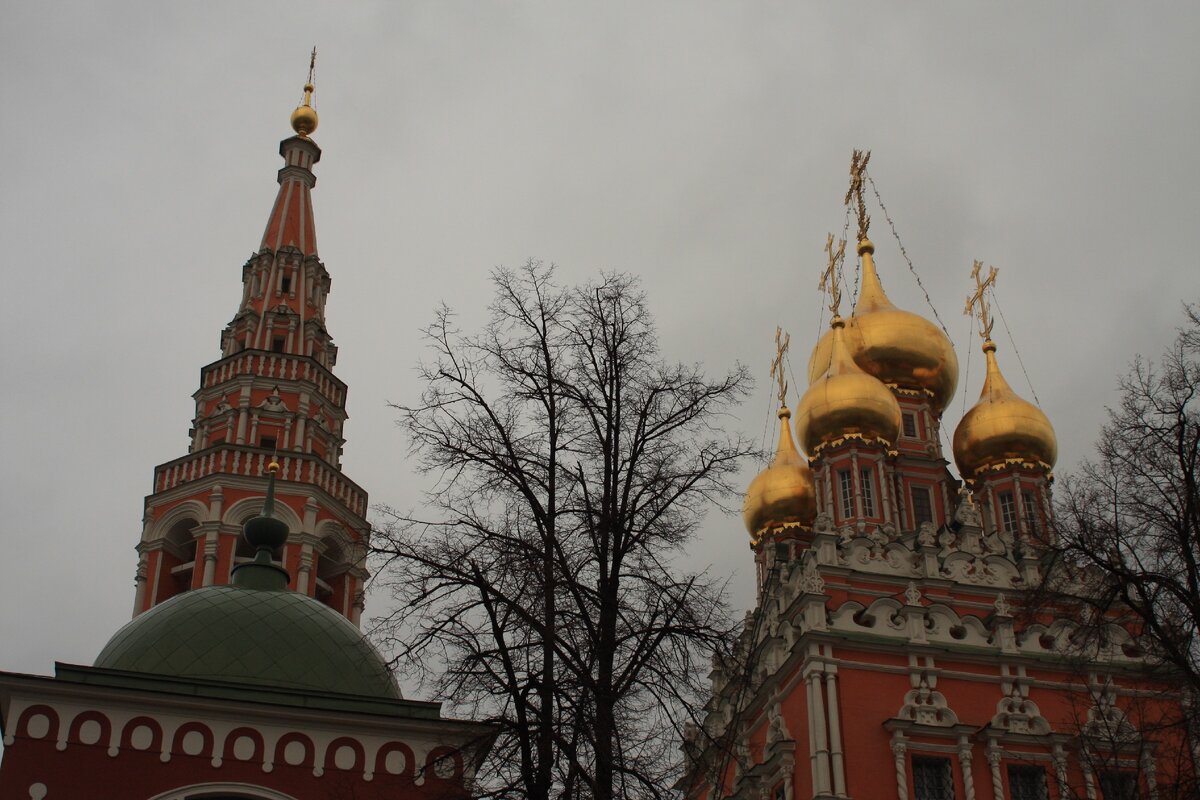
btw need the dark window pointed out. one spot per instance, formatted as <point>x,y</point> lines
<point>932,779</point>
<point>1026,782</point>
<point>277,344</point>
<point>910,425</point>
<point>847,490</point>
<point>269,442</point>
<point>780,793</point>
<point>922,508</point>
<point>868,493</point>
<point>1030,510</point>
<point>285,285</point>
<point>1008,513</point>
<point>1118,786</point>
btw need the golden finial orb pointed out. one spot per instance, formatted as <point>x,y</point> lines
<point>304,118</point>
<point>273,466</point>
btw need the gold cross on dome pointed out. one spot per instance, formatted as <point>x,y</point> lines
<point>782,340</point>
<point>858,168</point>
<point>829,278</point>
<point>312,65</point>
<point>977,299</point>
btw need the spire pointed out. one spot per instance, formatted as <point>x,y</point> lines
<point>291,222</point>
<point>265,534</point>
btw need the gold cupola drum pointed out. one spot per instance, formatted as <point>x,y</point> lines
<point>1001,428</point>
<point>783,495</point>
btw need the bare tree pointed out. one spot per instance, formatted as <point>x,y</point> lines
<point>1125,555</point>
<point>572,466</point>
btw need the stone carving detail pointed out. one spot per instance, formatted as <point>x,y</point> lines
<point>776,728</point>
<point>1016,713</point>
<point>925,705</point>
<point>912,595</point>
<point>811,581</point>
<point>1105,720</point>
<point>966,512</point>
<point>273,402</point>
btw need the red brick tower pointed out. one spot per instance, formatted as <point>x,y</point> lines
<point>271,391</point>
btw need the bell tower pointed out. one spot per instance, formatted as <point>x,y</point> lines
<point>271,392</point>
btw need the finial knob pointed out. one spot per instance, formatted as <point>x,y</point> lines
<point>865,246</point>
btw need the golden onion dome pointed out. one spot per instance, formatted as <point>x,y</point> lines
<point>304,118</point>
<point>783,494</point>
<point>896,346</point>
<point>844,401</point>
<point>1002,428</point>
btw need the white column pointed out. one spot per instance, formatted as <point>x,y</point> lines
<point>835,735</point>
<point>822,773</point>
<point>899,748</point>
<point>210,558</point>
<point>964,763</point>
<point>993,756</point>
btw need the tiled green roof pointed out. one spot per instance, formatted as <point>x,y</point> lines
<point>264,638</point>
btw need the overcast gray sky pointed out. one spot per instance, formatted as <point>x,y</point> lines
<point>702,146</point>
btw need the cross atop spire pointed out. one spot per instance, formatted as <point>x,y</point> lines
<point>782,340</point>
<point>829,278</point>
<point>858,168</point>
<point>977,299</point>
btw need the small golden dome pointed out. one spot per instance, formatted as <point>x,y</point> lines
<point>843,401</point>
<point>896,346</point>
<point>783,494</point>
<point>304,118</point>
<point>1002,428</point>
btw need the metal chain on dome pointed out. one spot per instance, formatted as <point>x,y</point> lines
<point>904,253</point>
<point>1013,342</point>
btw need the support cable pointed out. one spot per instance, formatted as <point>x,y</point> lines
<point>1013,342</point>
<point>904,253</point>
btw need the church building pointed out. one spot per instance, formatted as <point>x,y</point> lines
<point>888,656</point>
<point>243,673</point>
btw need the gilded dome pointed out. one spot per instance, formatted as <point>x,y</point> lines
<point>1002,428</point>
<point>843,401</point>
<point>783,494</point>
<point>896,346</point>
<point>304,118</point>
<point>278,639</point>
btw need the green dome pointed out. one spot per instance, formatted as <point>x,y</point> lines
<point>280,639</point>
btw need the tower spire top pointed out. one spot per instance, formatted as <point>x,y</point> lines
<point>304,118</point>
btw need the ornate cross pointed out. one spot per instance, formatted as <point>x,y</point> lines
<point>312,65</point>
<point>858,168</point>
<point>829,278</point>
<point>782,340</point>
<point>985,311</point>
